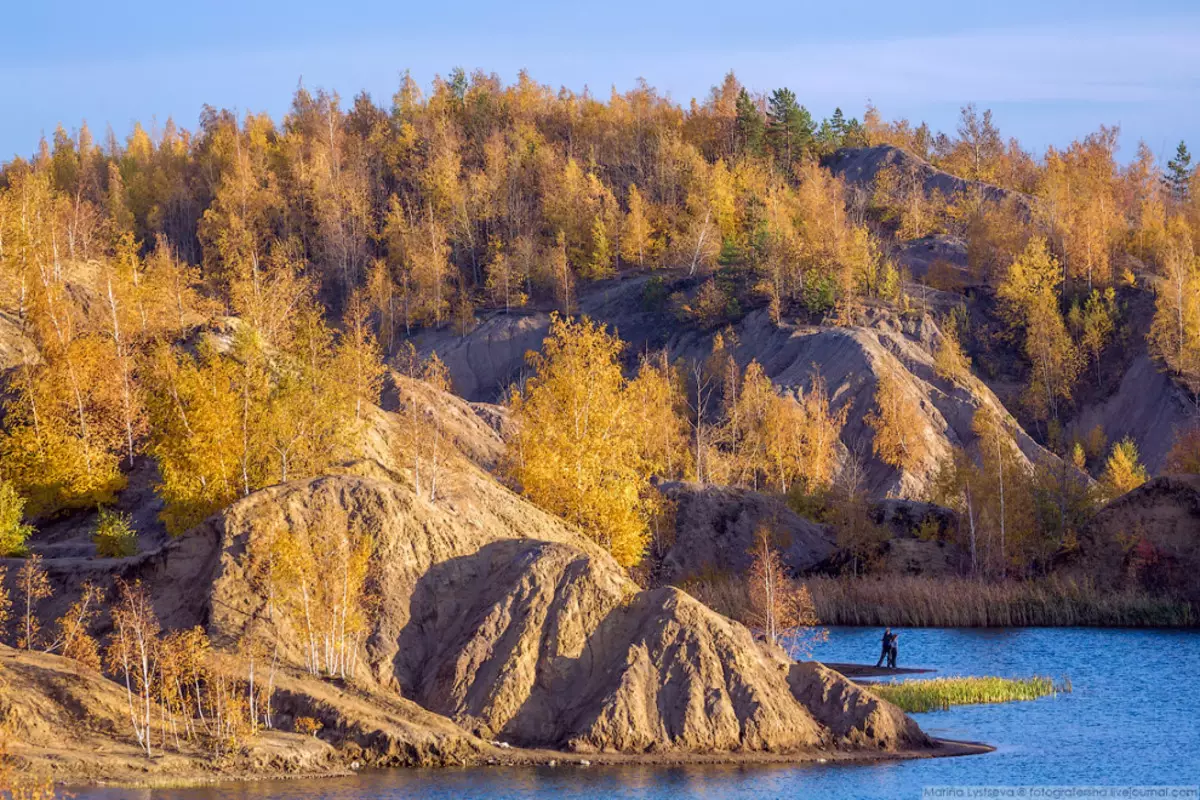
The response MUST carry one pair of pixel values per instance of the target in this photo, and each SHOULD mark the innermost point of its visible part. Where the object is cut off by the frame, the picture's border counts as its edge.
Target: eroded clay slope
(851, 359)
(508, 622)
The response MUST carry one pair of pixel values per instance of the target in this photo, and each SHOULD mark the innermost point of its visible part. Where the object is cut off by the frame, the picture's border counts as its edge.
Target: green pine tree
(789, 126)
(832, 133)
(1179, 172)
(750, 124)
(854, 134)
(837, 123)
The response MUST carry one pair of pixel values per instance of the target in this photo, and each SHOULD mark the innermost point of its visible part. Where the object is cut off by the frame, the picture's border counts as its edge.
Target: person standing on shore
(886, 650)
(893, 651)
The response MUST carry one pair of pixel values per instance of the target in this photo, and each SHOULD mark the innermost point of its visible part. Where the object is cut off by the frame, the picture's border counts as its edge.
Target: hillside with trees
(664, 359)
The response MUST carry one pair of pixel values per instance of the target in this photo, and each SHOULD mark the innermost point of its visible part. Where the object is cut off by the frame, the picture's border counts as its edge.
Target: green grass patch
(938, 694)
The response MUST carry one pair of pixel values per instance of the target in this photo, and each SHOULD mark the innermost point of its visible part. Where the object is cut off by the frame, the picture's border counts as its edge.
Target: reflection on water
(1128, 721)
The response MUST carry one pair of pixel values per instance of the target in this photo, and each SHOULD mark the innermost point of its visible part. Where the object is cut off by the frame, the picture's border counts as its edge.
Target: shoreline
(282, 756)
(555, 759)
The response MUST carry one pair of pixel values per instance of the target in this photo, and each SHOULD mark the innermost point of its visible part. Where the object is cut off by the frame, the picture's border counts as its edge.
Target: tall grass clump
(939, 694)
(914, 601)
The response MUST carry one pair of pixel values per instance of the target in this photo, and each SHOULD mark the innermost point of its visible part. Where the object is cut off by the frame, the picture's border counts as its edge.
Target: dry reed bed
(911, 601)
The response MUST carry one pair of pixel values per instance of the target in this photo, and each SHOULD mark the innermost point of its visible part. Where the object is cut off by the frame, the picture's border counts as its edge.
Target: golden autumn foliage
(74, 638)
(32, 587)
(1078, 190)
(584, 449)
(1029, 293)
(222, 302)
(281, 401)
(318, 577)
(13, 532)
(1011, 516)
(898, 440)
(899, 199)
(949, 361)
(1175, 333)
(178, 688)
(1123, 472)
(780, 441)
(657, 397)
(330, 235)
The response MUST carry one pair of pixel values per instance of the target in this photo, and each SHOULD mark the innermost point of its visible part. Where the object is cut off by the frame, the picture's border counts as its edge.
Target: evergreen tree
(832, 133)
(789, 126)
(750, 124)
(837, 123)
(1179, 172)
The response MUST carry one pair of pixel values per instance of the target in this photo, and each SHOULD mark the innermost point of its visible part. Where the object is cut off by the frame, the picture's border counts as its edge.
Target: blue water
(1132, 719)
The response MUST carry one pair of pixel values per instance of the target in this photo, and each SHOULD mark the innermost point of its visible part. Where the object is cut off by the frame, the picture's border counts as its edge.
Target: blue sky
(1051, 70)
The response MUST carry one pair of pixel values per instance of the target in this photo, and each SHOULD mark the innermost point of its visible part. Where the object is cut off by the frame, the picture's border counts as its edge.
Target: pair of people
(890, 649)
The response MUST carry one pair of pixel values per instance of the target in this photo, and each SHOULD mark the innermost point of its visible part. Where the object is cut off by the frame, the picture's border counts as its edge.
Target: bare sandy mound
(505, 620)
(853, 715)
(475, 430)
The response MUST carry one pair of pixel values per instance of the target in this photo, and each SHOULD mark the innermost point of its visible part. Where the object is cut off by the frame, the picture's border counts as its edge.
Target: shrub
(308, 726)
(13, 532)
(115, 536)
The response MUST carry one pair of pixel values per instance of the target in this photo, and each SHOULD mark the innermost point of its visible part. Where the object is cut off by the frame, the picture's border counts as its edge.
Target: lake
(1132, 719)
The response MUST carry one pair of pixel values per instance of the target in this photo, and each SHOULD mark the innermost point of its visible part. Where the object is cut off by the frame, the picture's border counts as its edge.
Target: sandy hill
(506, 621)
